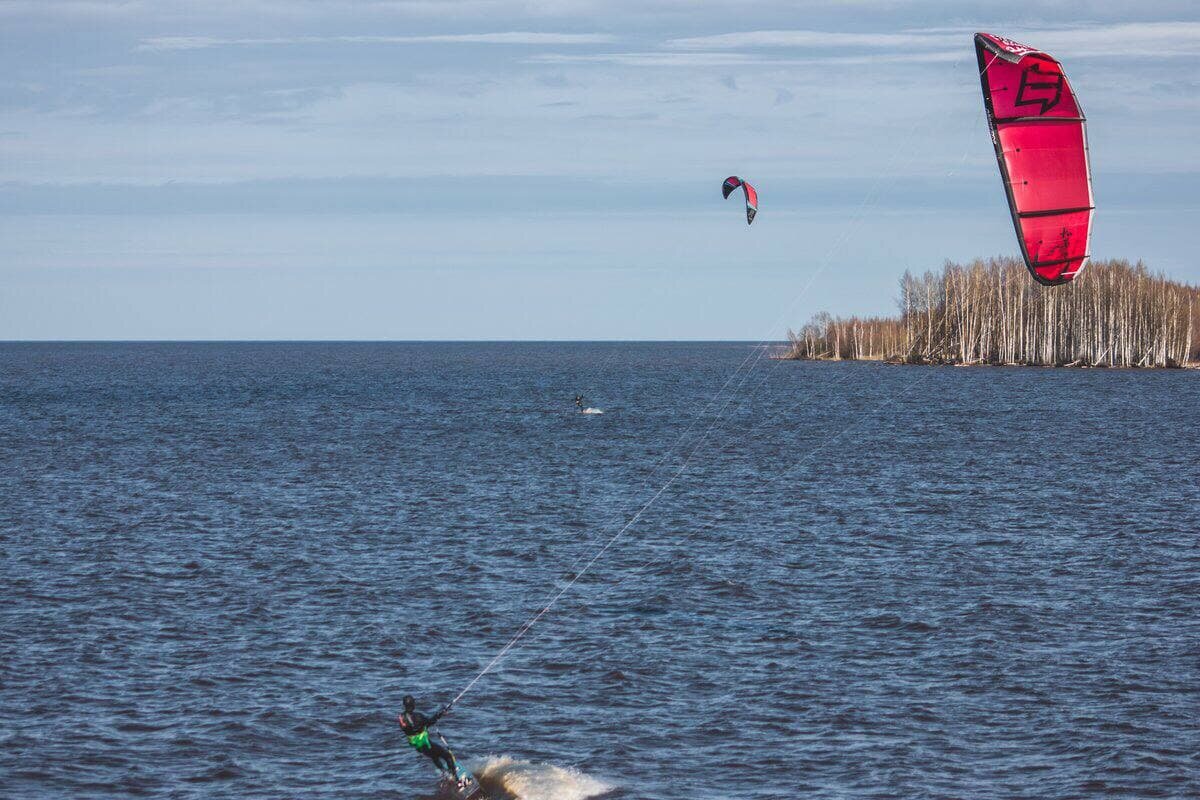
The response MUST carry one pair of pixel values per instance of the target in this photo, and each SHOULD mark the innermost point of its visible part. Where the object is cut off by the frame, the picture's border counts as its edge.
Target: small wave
(592, 411)
(505, 778)
(614, 676)
(730, 588)
(894, 622)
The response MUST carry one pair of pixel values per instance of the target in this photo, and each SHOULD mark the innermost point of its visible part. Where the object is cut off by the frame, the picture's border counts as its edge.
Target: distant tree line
(991, 312)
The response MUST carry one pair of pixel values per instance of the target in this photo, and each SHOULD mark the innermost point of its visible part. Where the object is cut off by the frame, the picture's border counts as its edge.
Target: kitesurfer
(579, 402)
(416, 727)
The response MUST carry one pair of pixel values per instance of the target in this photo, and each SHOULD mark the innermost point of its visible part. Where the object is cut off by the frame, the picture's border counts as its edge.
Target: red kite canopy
(1040, 136)
(733, 182)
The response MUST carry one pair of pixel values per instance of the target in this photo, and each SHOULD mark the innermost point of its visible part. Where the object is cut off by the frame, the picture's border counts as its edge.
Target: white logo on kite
(1016, 48)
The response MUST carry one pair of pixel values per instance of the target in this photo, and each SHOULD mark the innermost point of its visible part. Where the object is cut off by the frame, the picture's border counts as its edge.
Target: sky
(543, 169)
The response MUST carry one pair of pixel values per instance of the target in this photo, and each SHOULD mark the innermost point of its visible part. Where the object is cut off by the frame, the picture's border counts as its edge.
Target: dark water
(222, 565)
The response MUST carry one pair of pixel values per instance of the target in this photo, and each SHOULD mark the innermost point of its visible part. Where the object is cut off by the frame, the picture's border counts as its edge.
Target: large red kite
(1040, 136)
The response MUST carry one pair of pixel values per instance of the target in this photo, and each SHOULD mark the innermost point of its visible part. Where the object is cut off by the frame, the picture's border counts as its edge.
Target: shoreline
(899, 362)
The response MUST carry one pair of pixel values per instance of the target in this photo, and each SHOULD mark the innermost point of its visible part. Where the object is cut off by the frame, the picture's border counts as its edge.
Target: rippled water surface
(223, 565)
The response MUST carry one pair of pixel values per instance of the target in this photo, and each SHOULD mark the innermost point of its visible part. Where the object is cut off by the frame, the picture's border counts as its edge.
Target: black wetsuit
(579, 402)
(414, 724)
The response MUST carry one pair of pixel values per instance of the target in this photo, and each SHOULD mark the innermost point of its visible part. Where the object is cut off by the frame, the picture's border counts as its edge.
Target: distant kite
(1040, 136)
(733, 182)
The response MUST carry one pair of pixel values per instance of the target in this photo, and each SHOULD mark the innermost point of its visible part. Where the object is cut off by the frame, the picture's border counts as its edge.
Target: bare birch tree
(1114, 314)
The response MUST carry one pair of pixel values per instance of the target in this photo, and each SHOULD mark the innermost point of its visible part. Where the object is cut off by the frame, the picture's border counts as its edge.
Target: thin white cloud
(66, 8)
(652, 59)
(1140, 39)
(701, 59)
(1148, 39)
(161, 43)
(812, 39)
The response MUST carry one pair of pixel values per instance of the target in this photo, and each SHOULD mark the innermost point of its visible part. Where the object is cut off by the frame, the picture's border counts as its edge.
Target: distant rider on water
(579, 402)
(416, 727)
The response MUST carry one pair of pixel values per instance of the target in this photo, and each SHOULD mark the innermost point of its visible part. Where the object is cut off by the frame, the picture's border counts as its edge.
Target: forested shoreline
(1115, 314)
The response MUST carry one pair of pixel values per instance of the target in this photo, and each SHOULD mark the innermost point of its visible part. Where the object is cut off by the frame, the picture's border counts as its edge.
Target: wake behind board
(464, 786)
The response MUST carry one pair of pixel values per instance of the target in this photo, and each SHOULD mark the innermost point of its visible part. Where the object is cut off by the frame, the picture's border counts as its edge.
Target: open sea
(222, 566)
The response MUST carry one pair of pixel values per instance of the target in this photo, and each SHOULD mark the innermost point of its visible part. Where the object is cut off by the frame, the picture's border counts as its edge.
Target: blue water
(224, 564)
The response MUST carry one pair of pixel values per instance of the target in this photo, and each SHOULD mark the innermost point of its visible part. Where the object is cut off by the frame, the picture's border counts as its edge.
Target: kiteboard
(463, 785)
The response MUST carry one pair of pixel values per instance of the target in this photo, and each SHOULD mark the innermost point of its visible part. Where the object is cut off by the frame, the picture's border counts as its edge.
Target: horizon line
(391, 341)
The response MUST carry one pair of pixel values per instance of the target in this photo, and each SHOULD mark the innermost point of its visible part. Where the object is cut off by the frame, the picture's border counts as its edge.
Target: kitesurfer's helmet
(410, 702)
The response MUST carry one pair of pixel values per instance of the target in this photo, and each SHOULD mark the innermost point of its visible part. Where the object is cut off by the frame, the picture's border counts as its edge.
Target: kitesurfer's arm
(413, 722)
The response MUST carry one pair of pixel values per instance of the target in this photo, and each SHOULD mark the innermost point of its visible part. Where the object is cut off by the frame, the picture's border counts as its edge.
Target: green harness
(420, 740)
